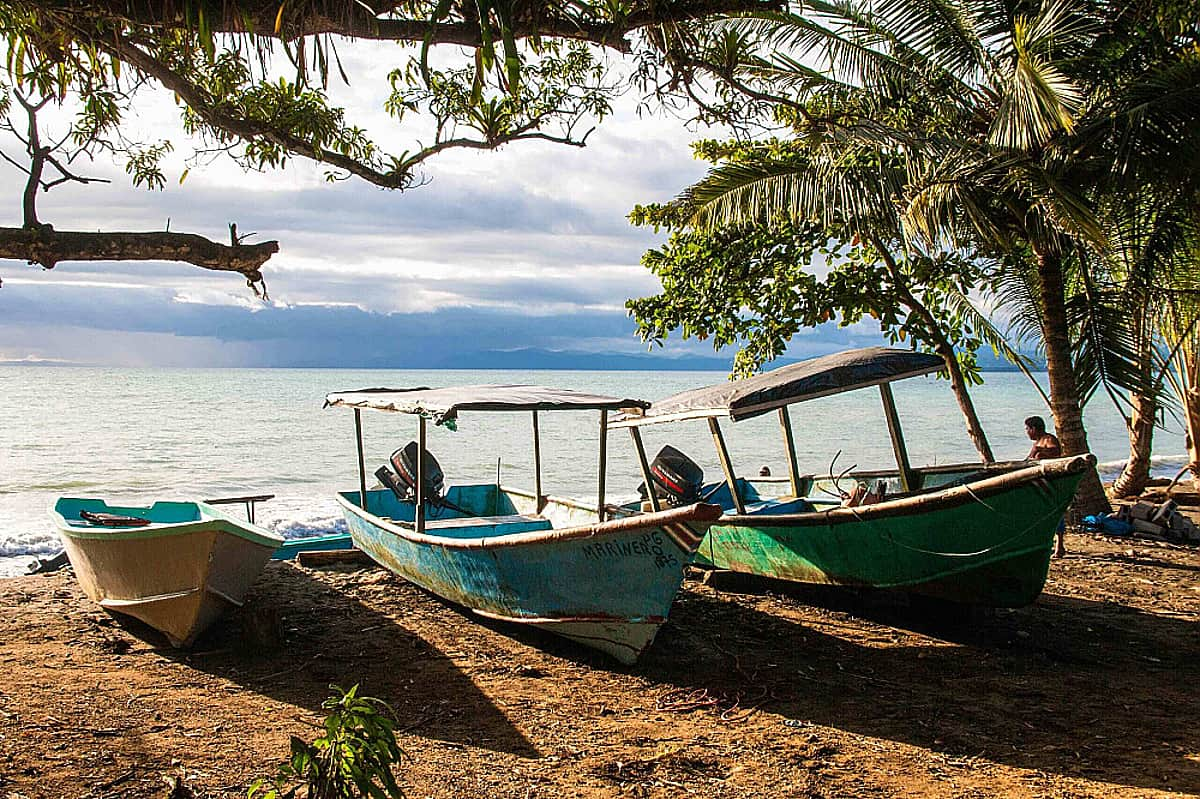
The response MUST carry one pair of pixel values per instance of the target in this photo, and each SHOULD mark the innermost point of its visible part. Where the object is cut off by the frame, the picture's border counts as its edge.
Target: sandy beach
(754, 689)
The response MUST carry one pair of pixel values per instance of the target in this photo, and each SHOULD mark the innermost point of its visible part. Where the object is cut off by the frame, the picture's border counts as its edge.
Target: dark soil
(754, 689)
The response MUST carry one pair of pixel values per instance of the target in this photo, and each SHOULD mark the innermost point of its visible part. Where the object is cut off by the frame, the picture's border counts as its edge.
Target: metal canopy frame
(907, 474)
(823, 376)
(419, 510)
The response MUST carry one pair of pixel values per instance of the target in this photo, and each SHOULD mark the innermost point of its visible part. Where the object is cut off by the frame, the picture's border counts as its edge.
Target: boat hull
(987, 542)
(292, 547)
(176, 576)
(608, 586)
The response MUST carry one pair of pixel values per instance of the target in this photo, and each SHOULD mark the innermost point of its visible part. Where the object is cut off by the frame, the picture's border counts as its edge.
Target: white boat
(177, 566)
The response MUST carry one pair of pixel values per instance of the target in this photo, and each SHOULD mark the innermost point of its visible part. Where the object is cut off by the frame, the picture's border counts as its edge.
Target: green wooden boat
(972, 533)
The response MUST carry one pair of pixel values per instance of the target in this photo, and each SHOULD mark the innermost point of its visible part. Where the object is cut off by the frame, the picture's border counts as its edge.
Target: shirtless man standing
(1045, 445)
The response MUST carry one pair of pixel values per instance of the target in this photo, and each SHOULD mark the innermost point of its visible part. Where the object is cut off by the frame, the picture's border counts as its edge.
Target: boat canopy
(816, 377)
(443, 404)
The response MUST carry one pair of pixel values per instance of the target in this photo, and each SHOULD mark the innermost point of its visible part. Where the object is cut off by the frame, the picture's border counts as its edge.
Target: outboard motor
(676, 478)
(388, 479)
(404, 461)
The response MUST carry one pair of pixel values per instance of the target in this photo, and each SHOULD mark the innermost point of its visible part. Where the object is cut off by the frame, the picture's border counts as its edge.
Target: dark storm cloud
(337, 336)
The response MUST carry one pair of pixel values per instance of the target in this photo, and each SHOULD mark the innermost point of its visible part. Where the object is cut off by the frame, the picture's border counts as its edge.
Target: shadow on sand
(297, 635)
(1067, 686)
(1084, 689)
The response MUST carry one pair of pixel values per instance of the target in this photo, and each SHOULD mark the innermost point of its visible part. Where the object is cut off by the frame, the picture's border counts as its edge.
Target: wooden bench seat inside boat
(538, 522)
(481, 526)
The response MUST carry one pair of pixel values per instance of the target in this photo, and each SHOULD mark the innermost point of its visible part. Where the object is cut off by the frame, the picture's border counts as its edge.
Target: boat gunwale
(210, 519)
(698, 512)
(943, 498)
(578, 618)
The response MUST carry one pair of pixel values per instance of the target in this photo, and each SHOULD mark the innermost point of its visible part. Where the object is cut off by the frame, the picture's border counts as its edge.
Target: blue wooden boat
(292, 547)
(524, 557)
(177, 566)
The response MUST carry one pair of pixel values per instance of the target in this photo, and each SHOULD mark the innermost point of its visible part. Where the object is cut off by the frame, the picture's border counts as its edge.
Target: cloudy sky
(520, 258)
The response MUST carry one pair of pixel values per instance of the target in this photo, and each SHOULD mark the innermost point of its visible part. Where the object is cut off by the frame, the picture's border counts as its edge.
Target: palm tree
(1153, 260)
(875, 222)
(1012, 120)
(1179, 326)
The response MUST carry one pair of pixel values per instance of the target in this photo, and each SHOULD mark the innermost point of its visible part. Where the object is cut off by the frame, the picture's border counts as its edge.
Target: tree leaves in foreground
(353, 757)
(253, 80)
(997, 128)
(757, 284)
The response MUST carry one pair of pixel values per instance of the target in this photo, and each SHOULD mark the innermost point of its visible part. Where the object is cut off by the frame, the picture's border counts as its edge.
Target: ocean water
(136, 435)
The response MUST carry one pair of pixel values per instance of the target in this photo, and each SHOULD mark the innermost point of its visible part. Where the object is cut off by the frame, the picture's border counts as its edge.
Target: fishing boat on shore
(292, 548)
(177, 566)
(978, 533)
(559, 565)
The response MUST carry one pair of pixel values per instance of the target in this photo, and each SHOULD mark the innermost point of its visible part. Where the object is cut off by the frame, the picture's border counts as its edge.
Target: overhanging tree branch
(48, 247)
(197, 100)
(372, 20)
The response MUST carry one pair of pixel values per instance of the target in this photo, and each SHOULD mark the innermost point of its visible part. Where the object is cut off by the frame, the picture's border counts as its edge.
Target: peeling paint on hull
(991, 550)
(609, 590)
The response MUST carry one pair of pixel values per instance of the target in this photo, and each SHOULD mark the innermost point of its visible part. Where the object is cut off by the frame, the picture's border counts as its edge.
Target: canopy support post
(603, 464)
(362, 463)
(726, 464)
(893, 420)
(789, 443)
(636, 435)
(419, 513)
(537, 465)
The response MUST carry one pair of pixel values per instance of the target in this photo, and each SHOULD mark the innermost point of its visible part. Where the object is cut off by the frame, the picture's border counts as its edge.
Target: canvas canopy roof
(443, 404)
(816, 377)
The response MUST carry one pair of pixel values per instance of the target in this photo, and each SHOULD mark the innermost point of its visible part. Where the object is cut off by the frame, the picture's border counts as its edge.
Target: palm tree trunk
(1191, 411)
(1136, 473)
(944, 348)
(1064, 393)
(958, 385)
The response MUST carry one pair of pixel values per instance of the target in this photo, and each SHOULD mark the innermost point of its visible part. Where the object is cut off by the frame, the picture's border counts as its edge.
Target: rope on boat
(988, 550)
(978, 499)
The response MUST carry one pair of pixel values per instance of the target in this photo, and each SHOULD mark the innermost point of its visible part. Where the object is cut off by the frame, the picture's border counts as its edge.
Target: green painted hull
(988, 542)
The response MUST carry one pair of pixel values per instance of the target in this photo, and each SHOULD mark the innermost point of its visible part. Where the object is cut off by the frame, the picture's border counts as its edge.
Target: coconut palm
(1013, 121)
(1153, 262)
(1179, 327)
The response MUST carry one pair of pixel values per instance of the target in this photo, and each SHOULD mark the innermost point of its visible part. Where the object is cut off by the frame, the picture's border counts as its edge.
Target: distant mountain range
(533, 358)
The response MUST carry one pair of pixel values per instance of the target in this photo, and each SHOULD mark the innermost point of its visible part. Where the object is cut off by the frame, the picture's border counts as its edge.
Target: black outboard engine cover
(389, 480)
(404, 461)
(676, 477)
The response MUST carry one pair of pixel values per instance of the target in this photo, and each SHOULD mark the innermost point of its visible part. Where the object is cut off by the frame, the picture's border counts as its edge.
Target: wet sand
(754, 689)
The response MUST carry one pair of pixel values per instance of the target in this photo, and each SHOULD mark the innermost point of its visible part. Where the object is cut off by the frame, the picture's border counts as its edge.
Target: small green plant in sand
(353, 756)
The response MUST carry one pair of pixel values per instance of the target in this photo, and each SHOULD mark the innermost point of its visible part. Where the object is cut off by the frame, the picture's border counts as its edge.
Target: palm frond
(759, 191)
(945, 31)
(962, 305)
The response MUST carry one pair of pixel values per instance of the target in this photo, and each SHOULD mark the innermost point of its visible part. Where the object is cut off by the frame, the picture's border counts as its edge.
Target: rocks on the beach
(1162, 520)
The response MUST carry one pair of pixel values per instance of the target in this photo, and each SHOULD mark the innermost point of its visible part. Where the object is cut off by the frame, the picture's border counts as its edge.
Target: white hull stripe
(684, 537)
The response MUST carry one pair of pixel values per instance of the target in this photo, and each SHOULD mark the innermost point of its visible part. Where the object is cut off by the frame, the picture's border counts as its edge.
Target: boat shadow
(1073, 687)
(299, 634)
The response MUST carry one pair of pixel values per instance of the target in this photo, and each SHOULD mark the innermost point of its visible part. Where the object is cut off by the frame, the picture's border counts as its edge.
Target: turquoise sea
(135, 435)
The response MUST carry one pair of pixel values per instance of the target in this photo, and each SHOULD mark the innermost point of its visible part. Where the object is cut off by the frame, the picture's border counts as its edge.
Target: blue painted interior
(489, 512)
(158, 513)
